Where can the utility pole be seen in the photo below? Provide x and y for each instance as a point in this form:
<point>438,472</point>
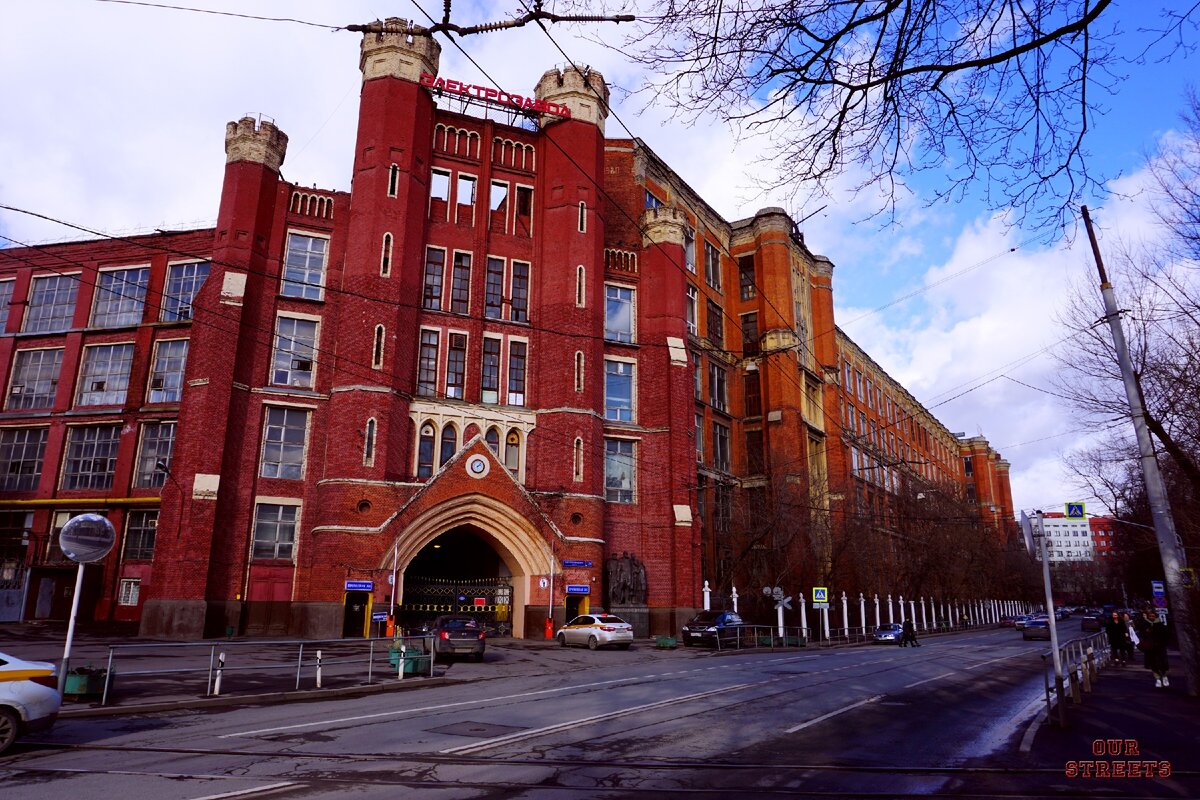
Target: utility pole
<point>1170,547</point>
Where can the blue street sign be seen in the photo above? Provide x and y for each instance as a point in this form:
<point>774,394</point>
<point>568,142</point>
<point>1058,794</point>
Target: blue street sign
<point>378,616</point>
<point>1076,511</point>
<point>360,586</point>
<point>568,563</point>
<point>1157,589</point>
<point>580,588</point>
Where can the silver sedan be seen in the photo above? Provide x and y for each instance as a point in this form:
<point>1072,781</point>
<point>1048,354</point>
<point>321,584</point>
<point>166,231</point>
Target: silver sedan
<point>596,630</point>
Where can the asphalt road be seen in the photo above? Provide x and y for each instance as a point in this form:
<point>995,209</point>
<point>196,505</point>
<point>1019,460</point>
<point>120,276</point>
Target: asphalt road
<point>944,719</point>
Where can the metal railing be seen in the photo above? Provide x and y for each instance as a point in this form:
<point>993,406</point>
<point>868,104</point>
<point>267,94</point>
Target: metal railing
<point>275,660</point>
<point>1081,659</point>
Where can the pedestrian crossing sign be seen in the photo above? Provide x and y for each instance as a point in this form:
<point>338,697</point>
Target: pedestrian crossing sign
<point>1076,511</point>
<point>820,594</point>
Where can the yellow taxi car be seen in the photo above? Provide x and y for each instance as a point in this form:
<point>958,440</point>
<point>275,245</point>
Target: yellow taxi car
<point>29,699</point>
<point>596,630</point>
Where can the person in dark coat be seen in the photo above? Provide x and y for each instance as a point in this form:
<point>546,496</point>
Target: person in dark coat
<point>1118,638</point>
<point>908,634</point>
<point>1152,641</point>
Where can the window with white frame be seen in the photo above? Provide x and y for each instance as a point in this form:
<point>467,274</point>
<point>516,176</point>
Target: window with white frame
<point>51,303</point>
<point>304,267</point>
<point>427,364</point>
<point>519,306</point>
<point>295,352</point>
<point>104,377</point>
<point>157,446</point>
<point>183,282</point>
<point>425,450</point>
<point>693,309</point>
<point>717,392</point>
<point>435,264</point>
<point>580,287</point>
<point>618,390</point>
<point>579,370</point>
<point>516,372</point>
<point>284,435</point>
<point>139,535</point>
<point>91,457</point>
<point>393,180</point>
<point>460,286</point>
<point>721,446</point>
<point>22,451</point>
<point>689,249</point>
<point>385,256</point>
<point>120,297</point>
<point>274,531</point>
<point>523,219</point>
<point>498,207</point>
<point>577,461</point>
<point>34,379</point>
<point>619,476</point>
<point>618,313</point>
<point>166,374</point>
<point>493,289</point>
<point>439,194</point>
<point>490,371</point>
<point>449,443</point>
<point>652,201</point>
<point>712,266</point>
<point>465,198</point>
<point>377,348</point>
<point>369,443</point>
<point>699,434</point>
<point>6,291</point>
<point>456,365</point>
<point>128,591</point>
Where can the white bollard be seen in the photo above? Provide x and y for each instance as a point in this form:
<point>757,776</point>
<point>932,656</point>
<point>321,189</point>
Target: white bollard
<point>803,616</point>
<point>217,682</point>
<point>862,612</point>
<point>734,597</point>
<point>891,621</point>
<point>902,617</point>
<point>318,669</point>
<point>707,600</point>
<point>845,615</point>
<point>876,610</point>
<point>400,665</point>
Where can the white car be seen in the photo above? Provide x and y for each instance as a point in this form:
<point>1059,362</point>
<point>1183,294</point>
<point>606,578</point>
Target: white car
<point>596,630</point>
<point>29,698</point>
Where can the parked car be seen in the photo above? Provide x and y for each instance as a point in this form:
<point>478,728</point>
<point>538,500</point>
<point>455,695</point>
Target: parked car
<point>1020,620</point>
<point>458,634</point>
<point>596,630</point>
<point>1036,629</point>
<point>1007,621</point>
<point>29,698</point>
<point>1061,613</point>
<point>1092,622</point>
<point>711,628</point>
<point>888,634</point>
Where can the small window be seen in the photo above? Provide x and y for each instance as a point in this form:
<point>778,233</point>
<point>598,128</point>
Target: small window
<point>449,445</point>
<point>439,195</point>
<point>580,287</point>
<point>377,348</point>
<point>512,452</point>
<point>652,201</point>
<point>746,285</point>
<point>692,308</point>
<point>369,443</point>
<point>492,437</point>
<point>129,591</point>
<point>579,370</point>
<point>717,392</point>
<point>425,451</point>
<point>385,256</point>
<point>716,324</point>
<point>393,180</point>
<point>583,217</point>
<point>577,461</point>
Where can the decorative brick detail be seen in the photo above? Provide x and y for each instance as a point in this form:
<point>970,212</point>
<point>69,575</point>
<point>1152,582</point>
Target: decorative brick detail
<point>253,140</point>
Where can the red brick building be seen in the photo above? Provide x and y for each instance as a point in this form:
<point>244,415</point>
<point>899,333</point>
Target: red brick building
<point>521,367</point>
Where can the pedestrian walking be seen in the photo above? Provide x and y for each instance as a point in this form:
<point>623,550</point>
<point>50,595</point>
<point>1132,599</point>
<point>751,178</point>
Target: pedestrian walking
<point>1130,644</point>
<point>1152,641</point>
<point>1118,638</point>
<point>908,635</point>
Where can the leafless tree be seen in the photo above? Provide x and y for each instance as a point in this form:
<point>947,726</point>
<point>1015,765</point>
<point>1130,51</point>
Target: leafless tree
<point>993,95</point>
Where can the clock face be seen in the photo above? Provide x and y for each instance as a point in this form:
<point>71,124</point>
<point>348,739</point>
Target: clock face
<point>477,466</point>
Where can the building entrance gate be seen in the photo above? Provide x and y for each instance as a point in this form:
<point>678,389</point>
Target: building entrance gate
<point>487,599</point>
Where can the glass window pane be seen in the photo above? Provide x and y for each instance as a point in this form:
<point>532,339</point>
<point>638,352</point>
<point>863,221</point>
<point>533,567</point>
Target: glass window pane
<point>304,267</point>
<point>120,297</point>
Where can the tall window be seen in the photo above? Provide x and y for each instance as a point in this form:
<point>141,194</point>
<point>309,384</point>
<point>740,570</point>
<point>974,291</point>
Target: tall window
<point>129,591</point>
<point>523,223</point>
<point>51,303</point>
<point>435,263</point>
<point>393,180</point>
<point>183,282</point>
<point>283,443</point>
<point>6,290</point>
<point>492,438</point>
<point>449,444</point>
<point>716,325</point>
<point>91,457</point>
<point>516,373</point>
<point>717,391</point>
<point>721,446</point>
<point>427,364</point>
<point>580,287</point>
<point>493,290</point>
<point>22,451</point>
<point>577,461</point>
<point>460,288</point>
<point>158,443</point>
<point>512,452</point>
<point>519,308</point>
<point>139,535</point>
<point>456,365</point>
<point>465,197</point>
<point>697,380</point>
<point>490,378</point>
<point>304,267</point>
<point>750,334</point>
<point>439,194</point>
<point>753,393</point>
<point>618,390</point>
<point>385,256</point>
<point>377,348</point>
<point>618,313</point>
<point>498,207</point>
<point>369,443</point>
<point>693,311</point>
<point>699,434</point>
<point>579,370</point>
<point>104,379</point>
<point>754,452</point>
<point>34,379</point>
<point>581,223</point>
<point>120,297</point>
<point>425,446</point>
<point>295,350</point>
<point>274,531</point>
<point>166,375</point>
<point>746,285</point>
<point>689,249</point>
<point>618,471</point>
<point>712,266</point>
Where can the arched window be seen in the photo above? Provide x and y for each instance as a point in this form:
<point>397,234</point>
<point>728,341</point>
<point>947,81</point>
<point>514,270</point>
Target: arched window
<point>377,349</point>
<point>385,256</point>
<point>577,461</point>
<point>449,444</point>
<point>579,370</point>
<point>492,437</point>
<point>425,451</point>
<point>369,443</point>
<point>580,290</point>
<point>512,451</point>
<point>393,180</point>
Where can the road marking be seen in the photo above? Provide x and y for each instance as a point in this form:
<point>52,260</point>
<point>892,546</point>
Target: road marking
<point>994,660</point>
<point>834,713</point>
<point>246,792</point>
<point>536,732</point>
<point>927,680</point>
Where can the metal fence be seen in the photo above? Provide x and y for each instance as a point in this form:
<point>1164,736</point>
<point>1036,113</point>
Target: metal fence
<point>217,667</point>
<point>1081,659</point>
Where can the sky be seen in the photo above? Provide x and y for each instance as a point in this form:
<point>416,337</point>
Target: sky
<point>112,117</point>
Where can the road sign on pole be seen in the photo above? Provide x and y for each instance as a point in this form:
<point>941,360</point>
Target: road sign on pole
<point>820,594</point>
<point>1076,510</point>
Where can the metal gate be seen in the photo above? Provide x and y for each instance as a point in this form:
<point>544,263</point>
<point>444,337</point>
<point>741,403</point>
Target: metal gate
<point>489,600</point>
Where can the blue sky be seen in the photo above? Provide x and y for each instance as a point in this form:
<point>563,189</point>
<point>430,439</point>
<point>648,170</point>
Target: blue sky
<point>114,119</point>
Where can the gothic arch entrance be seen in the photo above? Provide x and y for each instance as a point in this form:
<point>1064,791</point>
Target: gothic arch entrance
<point>472,548</point>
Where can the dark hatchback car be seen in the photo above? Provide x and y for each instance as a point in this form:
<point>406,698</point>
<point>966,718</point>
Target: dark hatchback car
<point>713,628</point>
<point>458,634</point>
